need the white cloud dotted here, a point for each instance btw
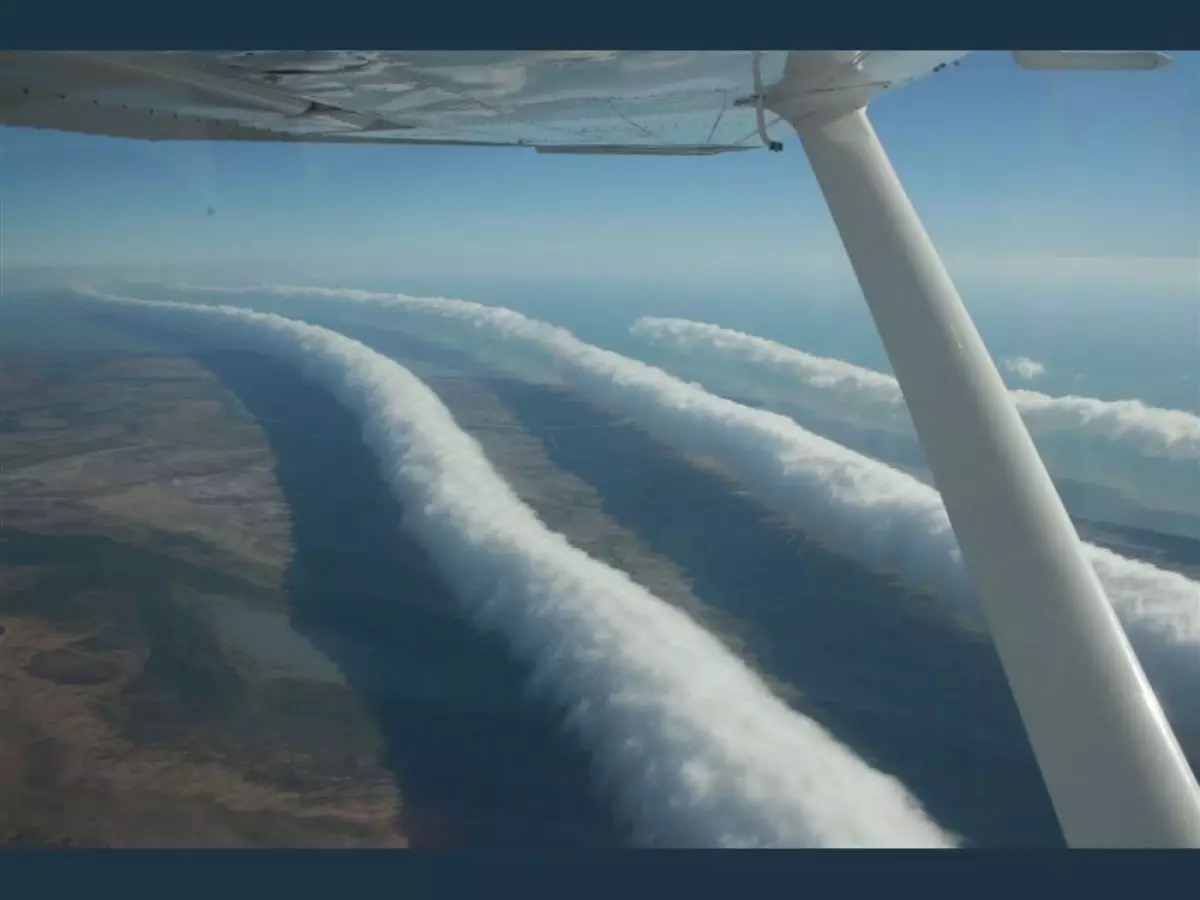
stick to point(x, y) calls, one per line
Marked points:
point(1024, 367)
point(867, 510)
point(1127, 448)
point(696, 749)
point(779, 370)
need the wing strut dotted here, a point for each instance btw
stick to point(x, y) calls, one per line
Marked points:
point(1114, 770)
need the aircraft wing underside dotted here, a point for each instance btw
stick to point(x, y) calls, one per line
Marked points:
point(617, 101)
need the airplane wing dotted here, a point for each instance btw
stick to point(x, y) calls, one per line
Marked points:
point(585, 101)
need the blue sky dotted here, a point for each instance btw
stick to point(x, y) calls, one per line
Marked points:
point(1013, 172)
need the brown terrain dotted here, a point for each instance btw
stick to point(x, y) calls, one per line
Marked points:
point(154, 687)
point(139, 516)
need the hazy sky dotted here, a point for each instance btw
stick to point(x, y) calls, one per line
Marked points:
point(1002, 164)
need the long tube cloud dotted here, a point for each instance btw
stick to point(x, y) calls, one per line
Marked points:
point(696, 749)
point(1141, 463)
point(886, 518)
point(1148, 430)
point(1144, 460)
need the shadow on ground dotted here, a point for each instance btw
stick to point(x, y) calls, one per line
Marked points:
point(477, 761)
point(908, 689)
point(471, 752)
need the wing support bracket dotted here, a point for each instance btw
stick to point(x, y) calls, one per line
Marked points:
point(759, 117)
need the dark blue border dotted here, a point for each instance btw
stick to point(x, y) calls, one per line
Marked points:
point(592, 24)
point(340, 874)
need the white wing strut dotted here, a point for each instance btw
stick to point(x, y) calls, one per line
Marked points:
point(1113, 768)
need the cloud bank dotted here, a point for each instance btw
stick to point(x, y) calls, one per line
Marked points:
point(1146, 430)
point(1125, 461)
point(885, 518)
point(694, 748)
